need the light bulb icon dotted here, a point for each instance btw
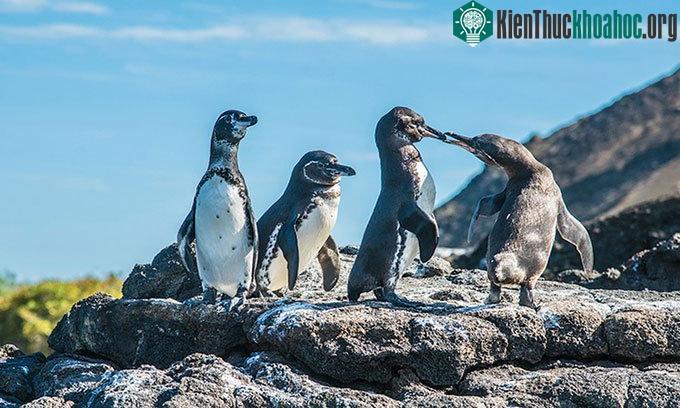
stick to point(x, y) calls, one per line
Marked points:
point(473, 21)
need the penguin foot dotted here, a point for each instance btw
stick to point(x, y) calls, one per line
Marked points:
point(379, 294)
point(265, 293)
point(526, 297)
point(236, 303)
point(494, 295)
point(492, 300)
point(210, 296)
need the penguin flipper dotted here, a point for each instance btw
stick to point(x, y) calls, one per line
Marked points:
point(487, 206)
point(575, 233)
point(185, 236)
point(256, 248)
point(287, 241)
point(329, 259)
point(412, 218)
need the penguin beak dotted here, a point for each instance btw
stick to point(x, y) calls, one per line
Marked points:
point(468, 143)
point(246, 122)
point(251, 120)
point(343, 170)
point(465, 142)
point(428, 131)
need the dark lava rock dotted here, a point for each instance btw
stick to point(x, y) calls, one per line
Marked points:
point(316, 349)
point(16, 374)
point(436, 266)
point(644, 331)
point(615, 239)
point(70, 377)
point(657, 268)
point(576, 384)
point(356, 342)
point(9, 402)
point(132, 332)
point(349, 250)
point(208, 381)
point(49, 402)
point(164, 278)
point(371, 341)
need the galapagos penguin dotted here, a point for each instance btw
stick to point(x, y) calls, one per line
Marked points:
point(297, 227)
point(221, 219)
point(402, 224)
point(530, 209)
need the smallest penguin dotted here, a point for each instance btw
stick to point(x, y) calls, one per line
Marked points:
point(530, 209)
point(297, 227)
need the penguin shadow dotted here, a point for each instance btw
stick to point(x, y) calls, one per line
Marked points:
point(509, 298)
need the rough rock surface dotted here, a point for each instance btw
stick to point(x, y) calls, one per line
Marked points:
point(618, 237)
point(657, 269)
point(16, 373)
point(583, 347)
point(166, 267)
point(436, 266)
point(132, 332)
point(70, 377)
point(572, 383)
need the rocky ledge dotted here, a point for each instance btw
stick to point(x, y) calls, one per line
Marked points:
point(583, 347)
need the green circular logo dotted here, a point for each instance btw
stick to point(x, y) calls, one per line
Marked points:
point(473, 23)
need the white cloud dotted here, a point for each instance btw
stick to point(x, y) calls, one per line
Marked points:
point(22, 6)
point(387, 34)
point(143, 33)
point(33, 6)
point(49, 31)
point(81, 7)
point(290, 29)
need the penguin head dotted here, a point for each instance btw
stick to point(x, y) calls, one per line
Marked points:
point(231, 126)
point(496, 151)
point(404, 125)
point(320, 168)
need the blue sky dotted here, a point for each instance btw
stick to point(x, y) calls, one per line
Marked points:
point(106, 108)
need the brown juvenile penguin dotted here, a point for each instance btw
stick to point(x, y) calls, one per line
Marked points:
point(530, 209)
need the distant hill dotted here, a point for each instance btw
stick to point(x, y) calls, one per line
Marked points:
point(625, 154)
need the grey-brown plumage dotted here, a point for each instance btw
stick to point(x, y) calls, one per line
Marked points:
point(402, 225)
point(530, 209)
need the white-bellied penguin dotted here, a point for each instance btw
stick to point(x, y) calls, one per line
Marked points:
point(530, 209)
point(402, 225)
point(221, 220)
point(297, 227)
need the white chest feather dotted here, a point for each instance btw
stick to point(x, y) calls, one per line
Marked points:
point(224, 253)
point(426, 189)
point(407, 243)
point(313, 230)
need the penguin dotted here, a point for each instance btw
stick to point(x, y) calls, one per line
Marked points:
point(221, 220)
point(297, 227)
point(402, 224)
point(530, 209)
